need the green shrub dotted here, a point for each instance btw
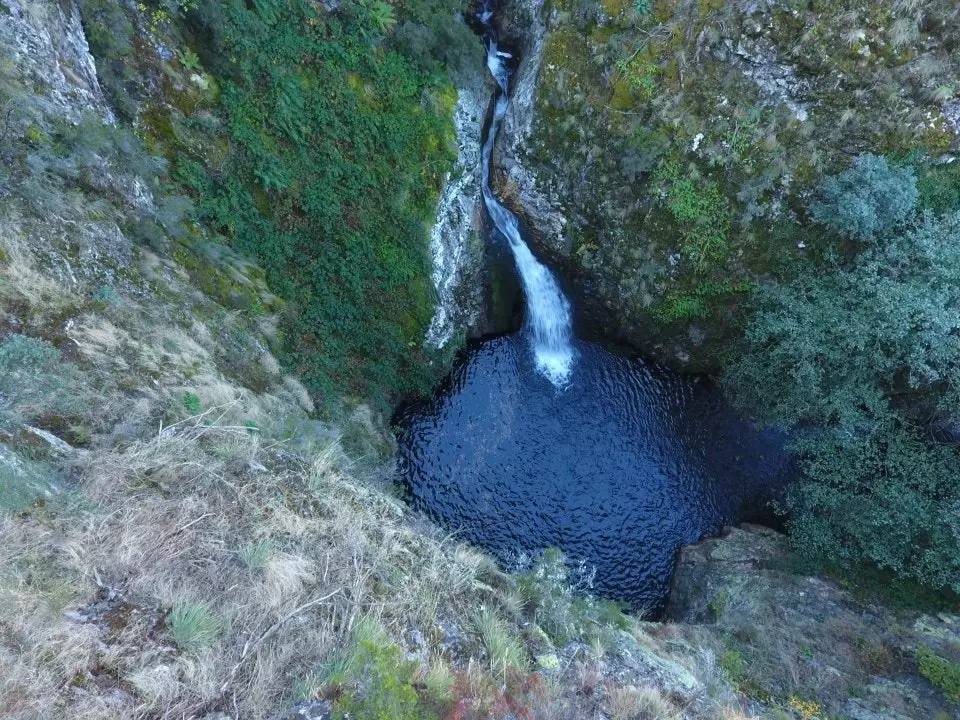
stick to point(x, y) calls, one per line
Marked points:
point(379, 682)
point(194, 626)
point(700, 209)
point(36, 381)
point(339, 143)
point(889, 499)
point(942, 674)
point(191, 402)
point(866, 200)
point(562, 606)
point(857, 357)
point(22, 481)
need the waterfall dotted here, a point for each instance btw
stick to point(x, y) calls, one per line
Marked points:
point(548, 311)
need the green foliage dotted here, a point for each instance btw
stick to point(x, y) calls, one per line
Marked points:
point(194, 626)
point(106, 295)
point(858, 356)
point(339, 144)
point(684, 305)
point(640, 75)
point(942, 674)
point(562, 605)
point(191, 401)
point(837, 343)
point(889, 499)
point(379, 680)
point(867, 199)
point(36, 381)
point(22, 481)
point(189, 59)
point(732, 665)
point(642, 7)
point(718, 604)
point(701, 211)
point(939, 187)
point(504, 651)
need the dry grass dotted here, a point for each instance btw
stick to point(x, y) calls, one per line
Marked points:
point(162, 521)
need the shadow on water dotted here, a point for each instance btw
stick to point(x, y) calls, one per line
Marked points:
point(619, 469)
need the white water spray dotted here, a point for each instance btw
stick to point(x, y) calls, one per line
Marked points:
point(548, 311)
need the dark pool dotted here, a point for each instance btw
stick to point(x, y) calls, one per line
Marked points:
point(619, 470)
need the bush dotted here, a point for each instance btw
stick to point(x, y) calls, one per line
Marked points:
point(36, 381)
point(379, 680)
point(943, 674)
point(339, 144)
point(561, 603)
point(853, 361)
point(869, 198)
point(889, 499)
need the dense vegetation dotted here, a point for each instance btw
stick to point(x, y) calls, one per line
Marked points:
point(322, 159)
point(864, 357)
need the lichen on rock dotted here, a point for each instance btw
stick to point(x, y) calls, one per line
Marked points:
point(674, 144)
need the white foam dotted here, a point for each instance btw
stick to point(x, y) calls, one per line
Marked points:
point(548, 310)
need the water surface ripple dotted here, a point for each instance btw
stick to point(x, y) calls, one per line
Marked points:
point(621, 468)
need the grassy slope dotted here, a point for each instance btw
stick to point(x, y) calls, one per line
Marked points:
point(179, 538)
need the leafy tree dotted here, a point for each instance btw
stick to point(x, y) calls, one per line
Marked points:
point(852, 360)
point(867, 199)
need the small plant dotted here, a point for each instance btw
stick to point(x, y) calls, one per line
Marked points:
point(439, 682)
point(35, 381)
point(700, 209)
point(189, 59)
point(731, 662)
point(718, 604)
point(942, 674)
point(640, 75)
point(255, 556)
point(106, 295)
point(642, 7)
point(191, 401)
point(807, 709)
point(193, 626)
point(379, 680)
point(503, 649)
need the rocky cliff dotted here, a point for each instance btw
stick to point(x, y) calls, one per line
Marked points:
point(807, 644)
point(664, 150)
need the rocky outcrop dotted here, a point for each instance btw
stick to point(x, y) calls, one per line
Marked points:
point(525, 26)
point(454, 242)
point(664, 152)
point(50, 54)
point(799, 641)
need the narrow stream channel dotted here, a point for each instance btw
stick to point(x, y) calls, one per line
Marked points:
point(541, 440)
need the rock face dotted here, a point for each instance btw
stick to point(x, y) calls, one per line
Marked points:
point(664, 151)
point(50, 53)
point(786, 638)
point(454, 240)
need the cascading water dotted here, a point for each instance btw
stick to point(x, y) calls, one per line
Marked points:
point(619, 470)
point(548, 311)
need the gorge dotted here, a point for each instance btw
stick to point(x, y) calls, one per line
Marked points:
point(542, 440)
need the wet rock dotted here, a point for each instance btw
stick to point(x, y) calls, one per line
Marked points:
point(525, 24)
point(457, 255)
